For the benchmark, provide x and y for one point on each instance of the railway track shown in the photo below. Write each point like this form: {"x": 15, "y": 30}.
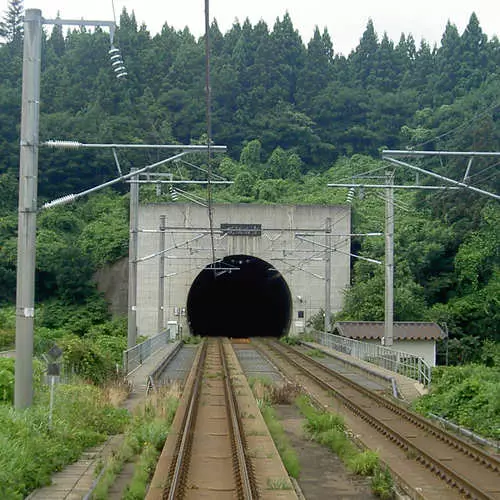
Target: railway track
{"x": 211, "y": 450}
{"x": 472, "y": 472}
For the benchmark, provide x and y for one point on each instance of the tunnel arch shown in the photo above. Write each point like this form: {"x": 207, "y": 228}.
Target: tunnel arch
{"x": 239, "y": 296}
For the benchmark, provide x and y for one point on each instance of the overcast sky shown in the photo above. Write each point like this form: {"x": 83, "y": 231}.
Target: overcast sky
{"x": 345, "y": 20}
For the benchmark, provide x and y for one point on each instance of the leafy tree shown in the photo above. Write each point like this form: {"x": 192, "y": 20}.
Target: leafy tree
{"x": 251, "y": 154}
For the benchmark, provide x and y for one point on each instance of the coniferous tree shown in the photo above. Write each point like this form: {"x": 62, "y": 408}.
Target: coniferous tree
{"x": 318, "y": 69}
{"x": 473, "y": 69}
{"x": 11, "y": 26}
{"x": 363, "y": 58}
{"x": 448, "y": 58}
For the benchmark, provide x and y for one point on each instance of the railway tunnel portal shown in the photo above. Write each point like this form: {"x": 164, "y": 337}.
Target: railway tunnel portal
{"x": 278, "y": 286}
{"x": 239, "y": 296}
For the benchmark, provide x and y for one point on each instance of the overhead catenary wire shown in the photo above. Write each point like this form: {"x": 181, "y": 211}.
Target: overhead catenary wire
{"x": 463, "y": 125}
{"x": 208, "y": 93}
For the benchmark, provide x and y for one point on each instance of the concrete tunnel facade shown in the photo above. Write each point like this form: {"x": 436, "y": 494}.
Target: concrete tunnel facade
{"x": 268, "y": 277}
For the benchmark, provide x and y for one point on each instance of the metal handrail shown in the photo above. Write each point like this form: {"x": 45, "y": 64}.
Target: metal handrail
{"x": 404, "y": 363}
{"x": 134, "y": 357}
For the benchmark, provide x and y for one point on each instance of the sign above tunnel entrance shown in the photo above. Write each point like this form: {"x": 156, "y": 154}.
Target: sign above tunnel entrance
{"x": 241, "y": 229}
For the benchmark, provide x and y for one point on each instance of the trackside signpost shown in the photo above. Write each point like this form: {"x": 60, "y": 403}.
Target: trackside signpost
{"x": 52, "y": 358}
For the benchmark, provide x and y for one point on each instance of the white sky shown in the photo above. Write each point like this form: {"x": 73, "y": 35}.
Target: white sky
{"x": 345, "y": 20}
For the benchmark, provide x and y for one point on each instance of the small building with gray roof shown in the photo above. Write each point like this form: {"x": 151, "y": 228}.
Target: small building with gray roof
{"x": 412, "y": 337}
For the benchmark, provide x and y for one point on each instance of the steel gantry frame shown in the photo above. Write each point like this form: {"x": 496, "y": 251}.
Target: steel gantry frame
{"x": 391, "y": 157}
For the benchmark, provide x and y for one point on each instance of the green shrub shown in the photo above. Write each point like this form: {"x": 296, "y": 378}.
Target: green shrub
{"x": 468, "y": 395}
{"x": 7, "y": 318}
{"x": 84, "y": 358}
{"x": 7, "y": 339}
{"x": 6, "y": 379}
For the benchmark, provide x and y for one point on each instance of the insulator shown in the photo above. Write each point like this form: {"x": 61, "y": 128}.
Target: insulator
{"x": 117, "y": 63}
{"x": 63, "y": 144}
{"x": 60, "y": 201}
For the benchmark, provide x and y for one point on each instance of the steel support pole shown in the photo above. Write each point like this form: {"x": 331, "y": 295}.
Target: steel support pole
{"x": 161, "y": 275}
{"x": 132, "y": 264}
{"x": 28, "y": 180}
{"x": 389, "y": 261}
{"x": 328, "y": 273}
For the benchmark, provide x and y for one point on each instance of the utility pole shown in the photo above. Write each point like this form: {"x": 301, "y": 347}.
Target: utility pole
{"x": 161, "y": 274}
{"x": 132, "y": 263}
{"x": 328, "y": 273}
{"x": 389, "y": 259}
{"x": 28, "y": 184}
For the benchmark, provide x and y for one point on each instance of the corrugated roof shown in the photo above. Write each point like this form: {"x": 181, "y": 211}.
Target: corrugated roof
{"x": 411, "y": 330}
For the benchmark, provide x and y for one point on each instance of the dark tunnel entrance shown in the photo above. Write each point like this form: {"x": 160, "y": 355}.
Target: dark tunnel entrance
{"x": 239, "y": 296}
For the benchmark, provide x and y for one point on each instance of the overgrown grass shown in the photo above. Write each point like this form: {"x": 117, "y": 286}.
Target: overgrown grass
{"x": 290, "y": 340}
{"x": 143, "y": 442}
{"x": 280, "y": 483}
{"x": 266, "y": 394}
{"x": 382, "y": 484}
{"x": 265, "y": 389}
{"x": 31, "y": 451}
{"x": 192, "y": 339}
{"x": 287, "y": 453}
{"x": 316, "y": 353}
{"x": 307, "y": 337}
{"x": 329, "y": 430}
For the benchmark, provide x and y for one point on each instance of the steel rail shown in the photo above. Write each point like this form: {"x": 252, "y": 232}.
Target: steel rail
{"x": 434, "y": 464}
{"x": 247, "y": 489}
{"x": 177, "y": 474}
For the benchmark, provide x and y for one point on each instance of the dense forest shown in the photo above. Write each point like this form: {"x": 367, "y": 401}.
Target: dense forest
{"x": 294, "y": 116}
